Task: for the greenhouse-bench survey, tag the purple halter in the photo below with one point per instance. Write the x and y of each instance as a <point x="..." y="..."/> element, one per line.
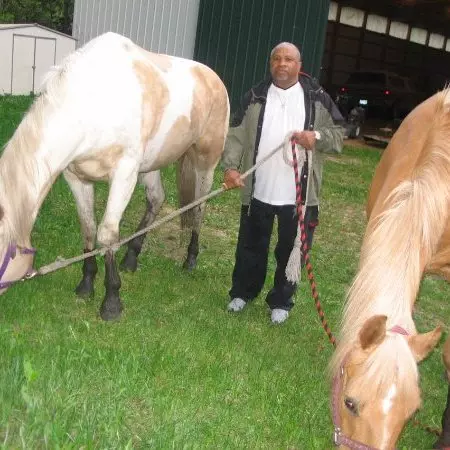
<point x="9" y="255"/>
<point x="339" y="438"/>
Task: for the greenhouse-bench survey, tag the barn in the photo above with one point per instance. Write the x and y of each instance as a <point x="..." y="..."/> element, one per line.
<point x="27" y="52"/>
<point x="409" y="37"/>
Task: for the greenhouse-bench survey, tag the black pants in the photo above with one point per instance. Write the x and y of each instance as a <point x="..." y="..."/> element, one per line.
<point x="252" y="251"/>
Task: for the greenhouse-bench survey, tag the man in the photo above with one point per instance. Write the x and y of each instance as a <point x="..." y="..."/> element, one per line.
<point x="287" y="101"/>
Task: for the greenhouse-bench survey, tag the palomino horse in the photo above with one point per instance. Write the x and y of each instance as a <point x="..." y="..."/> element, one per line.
<point x="111" y="111"/>
<point x="374" y="368"/>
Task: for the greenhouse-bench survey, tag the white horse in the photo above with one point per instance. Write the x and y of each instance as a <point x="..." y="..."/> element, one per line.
<point x="111" y="111"/>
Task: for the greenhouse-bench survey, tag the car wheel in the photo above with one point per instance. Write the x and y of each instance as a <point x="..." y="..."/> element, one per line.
<point x="355" y="132"/>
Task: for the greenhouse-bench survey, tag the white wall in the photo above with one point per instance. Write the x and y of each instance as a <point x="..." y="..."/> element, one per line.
<point x="6" y="61"/>
<point x="161" y="26"/>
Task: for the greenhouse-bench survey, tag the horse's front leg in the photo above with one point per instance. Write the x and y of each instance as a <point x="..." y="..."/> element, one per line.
<point x="83" y="193"/>
<point x="112" y="305"/>
<point x="120" y="191"/>
<point x="154" y="192"/>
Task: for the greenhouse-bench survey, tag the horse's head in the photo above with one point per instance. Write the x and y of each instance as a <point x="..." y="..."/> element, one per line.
<point x="15" y="261"/>
<point x="376" y="390"/>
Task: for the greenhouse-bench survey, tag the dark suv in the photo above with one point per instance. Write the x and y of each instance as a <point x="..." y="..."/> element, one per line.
<point x="382" y="94"/>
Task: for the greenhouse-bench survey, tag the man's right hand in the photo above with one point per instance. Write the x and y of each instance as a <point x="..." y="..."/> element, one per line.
<point x="232" y="179"/>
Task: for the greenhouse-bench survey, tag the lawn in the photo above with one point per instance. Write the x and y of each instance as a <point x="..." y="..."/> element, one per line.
<point x="177" y="370"/>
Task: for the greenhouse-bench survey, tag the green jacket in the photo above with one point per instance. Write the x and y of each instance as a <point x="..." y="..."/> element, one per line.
<point x="241" y="146"/>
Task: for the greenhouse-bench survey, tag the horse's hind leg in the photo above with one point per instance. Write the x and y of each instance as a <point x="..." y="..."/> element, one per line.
<point x="154" y="192"/>
<point x="84" y="199"/>
<point x="194" y="177"/>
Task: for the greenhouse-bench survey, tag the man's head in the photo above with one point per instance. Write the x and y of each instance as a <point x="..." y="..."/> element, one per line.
<point x="285" y="64"/>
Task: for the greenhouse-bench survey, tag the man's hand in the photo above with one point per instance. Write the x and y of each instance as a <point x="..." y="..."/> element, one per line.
<point x="307" y="139"/>
<point x="232" y="179"/>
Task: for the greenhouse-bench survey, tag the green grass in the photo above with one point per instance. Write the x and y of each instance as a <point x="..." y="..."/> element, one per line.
<point x="177" y="370"/>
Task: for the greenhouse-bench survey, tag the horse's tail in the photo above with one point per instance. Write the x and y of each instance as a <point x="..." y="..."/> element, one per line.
<point x="186" y="183"/>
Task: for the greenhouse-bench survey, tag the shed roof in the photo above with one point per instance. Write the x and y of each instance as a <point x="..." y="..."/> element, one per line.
<point x="8" y="26"/>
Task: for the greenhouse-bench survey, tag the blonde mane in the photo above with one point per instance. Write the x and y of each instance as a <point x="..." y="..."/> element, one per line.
<point x="397" y="246"/>
<point x="19" y="167"/>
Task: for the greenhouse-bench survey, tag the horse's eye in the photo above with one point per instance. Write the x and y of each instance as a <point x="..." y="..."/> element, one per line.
<point x="352" y="405"/>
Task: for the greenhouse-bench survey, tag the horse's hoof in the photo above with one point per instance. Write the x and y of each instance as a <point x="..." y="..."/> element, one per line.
<point x="129" y="262"/>
<point x="190" y="263"/>
<point x="85" y="289"/>
<point x="110" y="313"/>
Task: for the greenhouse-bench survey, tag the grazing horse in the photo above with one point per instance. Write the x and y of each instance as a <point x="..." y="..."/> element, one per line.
<point x="374" y="369"/>
<point x="111" y="111"/>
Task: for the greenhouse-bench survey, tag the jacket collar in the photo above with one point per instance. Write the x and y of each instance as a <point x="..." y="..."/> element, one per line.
<point x="259" y="91"/>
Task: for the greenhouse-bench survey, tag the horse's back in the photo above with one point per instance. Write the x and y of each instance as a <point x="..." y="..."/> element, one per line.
<point x="404" y="153"/>
<point x="125" y="97"/>
<point x="418" y="158"/>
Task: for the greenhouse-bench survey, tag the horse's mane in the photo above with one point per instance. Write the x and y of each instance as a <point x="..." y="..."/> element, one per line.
<point x="19" y="166"/>
<point x="397" y="245"/>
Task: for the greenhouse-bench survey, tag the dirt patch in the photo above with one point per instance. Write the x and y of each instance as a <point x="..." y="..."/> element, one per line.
<point x="359" y="143"/>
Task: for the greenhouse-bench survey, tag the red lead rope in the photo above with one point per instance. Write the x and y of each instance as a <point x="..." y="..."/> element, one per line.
<point x="309" y="269"/>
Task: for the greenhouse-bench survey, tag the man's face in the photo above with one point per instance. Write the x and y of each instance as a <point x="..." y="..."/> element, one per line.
<point x="285" y="66"/>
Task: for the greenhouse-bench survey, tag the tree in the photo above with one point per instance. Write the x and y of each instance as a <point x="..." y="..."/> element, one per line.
<point x="56" y="14"/>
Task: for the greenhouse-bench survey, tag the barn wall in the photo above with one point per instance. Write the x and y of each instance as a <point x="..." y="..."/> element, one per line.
<point x="162" y="26"/>
<point x="235" y="37"/>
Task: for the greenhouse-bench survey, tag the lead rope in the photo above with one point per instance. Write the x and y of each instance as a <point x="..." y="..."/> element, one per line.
<point x="63" y="262"/>
<point x="304" y="244"/>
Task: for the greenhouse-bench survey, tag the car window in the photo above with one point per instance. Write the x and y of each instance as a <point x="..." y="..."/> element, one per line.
<point x="397" y="82"/>
<point x="367" y="78"/>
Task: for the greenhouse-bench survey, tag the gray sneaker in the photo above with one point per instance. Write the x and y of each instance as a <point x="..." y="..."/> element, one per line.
<point x="279" y="315"/>
<point x="236" y="305"/>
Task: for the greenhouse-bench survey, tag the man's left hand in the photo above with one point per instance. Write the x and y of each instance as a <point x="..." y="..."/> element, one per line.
<point x="307" y="139"/>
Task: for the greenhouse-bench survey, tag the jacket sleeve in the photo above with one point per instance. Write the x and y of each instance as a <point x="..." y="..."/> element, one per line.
<point x="236" y="137"/>
<point x="330" y="124"/>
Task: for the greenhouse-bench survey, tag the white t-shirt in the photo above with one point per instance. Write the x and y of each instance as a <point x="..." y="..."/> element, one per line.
<point x="285" y="112"/>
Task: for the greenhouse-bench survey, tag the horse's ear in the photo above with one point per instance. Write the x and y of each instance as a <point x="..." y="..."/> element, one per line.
<point x="422" y="344"/>
<point x="373" y="332"/>
<point x="446" y="356"/>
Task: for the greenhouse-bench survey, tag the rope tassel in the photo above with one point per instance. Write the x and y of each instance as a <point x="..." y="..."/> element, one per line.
<point x="293" y="267"/>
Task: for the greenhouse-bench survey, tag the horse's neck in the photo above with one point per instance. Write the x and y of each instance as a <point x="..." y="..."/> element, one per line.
<point x="29" y="166"/>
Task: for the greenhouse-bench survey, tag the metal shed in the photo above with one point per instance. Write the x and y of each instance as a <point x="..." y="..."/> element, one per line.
<point x="27" y="52"/>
